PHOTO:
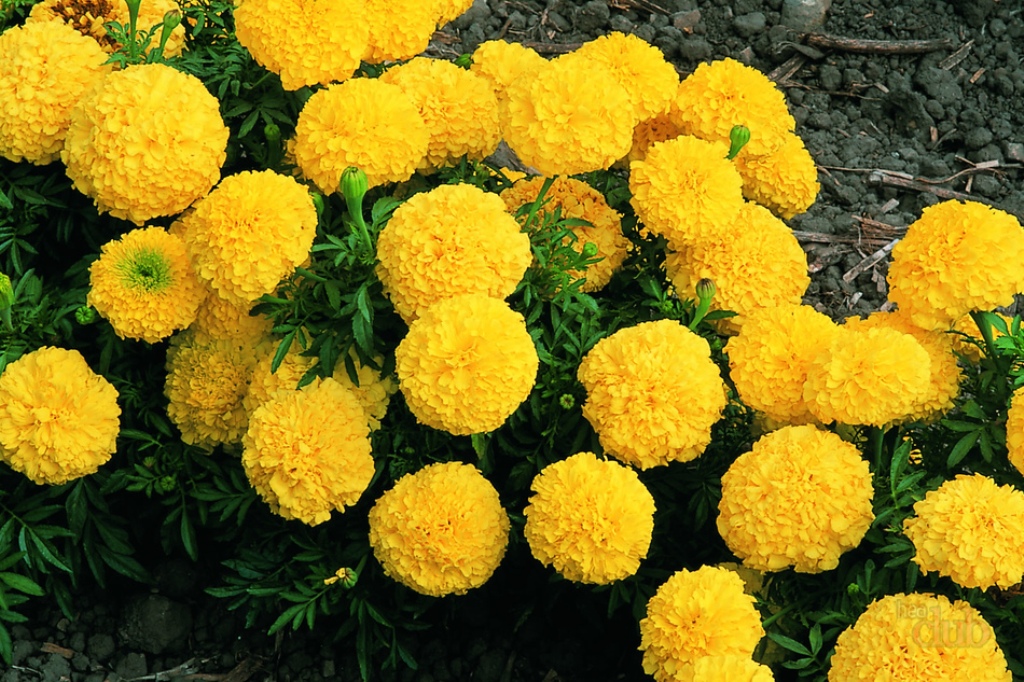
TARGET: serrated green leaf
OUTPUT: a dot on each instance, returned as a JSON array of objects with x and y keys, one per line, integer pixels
[
  {"x": 49, "y": 554},
  {"x": 18, "y": 582},
  {"x": 282, "y": 350},
  {"x": 125, "y": 565},
  {"x": 286, "y": 617}
]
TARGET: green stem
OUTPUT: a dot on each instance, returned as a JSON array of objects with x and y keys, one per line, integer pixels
[{"x": 876, "y": 439}]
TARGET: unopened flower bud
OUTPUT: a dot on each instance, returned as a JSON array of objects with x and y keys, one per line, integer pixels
[
  {"x": 171, "y": 20},
  {"x": 346, "y": 576},
  {"x": 272, "y": 132},
  {"x": 318, "y": 202},
  {"x": 354, "y": 185},
  {"x": 166, "y": 484},
  {"x": 6, "y": 292},
  {"x": 566, "y": 401},
  {"x": 85, "y": 314},
  {"x": 464, "y": 61},
  {"x": 589, "y": 250},
  {"x": 706, "y": 289},
  {"x": 149, "y": 462},
  {"x": 738, "y": 137}
]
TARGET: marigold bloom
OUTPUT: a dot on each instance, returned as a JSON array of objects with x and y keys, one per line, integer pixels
[
  {"x": 224, "y": 320},
  {"x": 973, "y": 351},
  {"x": 307, "y": 452},
  {"x": 785, "y": 181},
  {"x": 647, "y": 133},
  {"x": 374, "y": 390},
  {"x": 686, "y": 190},
  {"x": 970, "y": 530},
  {"x": 653, "y": 393},
  {"x": 305, "y": 42},
  {"x": 1015, "y": 430},
  {"x": 918, "y": 637},
  {"x": 58, "y": 419},
  {"x": 578, "y": 200},
  {"x": 944, "y": 267},
  {"x": 458, "y": 107},
  {"x": 696, "y": 614},
  {"x": 591, "y": 519},
  {"x": 441, "y": 530},
  {"x": 265, "y": 384},
  {"x": 504, "y": 64},
  {"x": 451, "y": 9},
  {"x": 800, "y": 498},
  {"x": 89, "y": 16},
  {"x": 572, "y": 117},
  {"x": 45, "y": 68},
  {"x": 399, "y": 29},
  {"x": 466, "y": 364},
  {"x": 146, "y": 143},
  {"x": 730, "y": 668},
  {"x": 452, "y": 240},
  {"x": 364, "y": 123}
]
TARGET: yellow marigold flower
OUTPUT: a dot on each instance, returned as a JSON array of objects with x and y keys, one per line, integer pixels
[
  {"x": 374, "y": 390},
  {"x": 727, "y": 93},
  {"x": 653, "y": 393},
  {"x": 452, "y": 9},
  {"x": 399, "y": 29},
  {"x": 578, "y": 200},
  {"x": 867, "y": 376},
  {"x": 452, "y": 240},
  {"x": 504, "y": 64},
  {"x": 770, "y": 357},
  {"x": 1015, "y": 430},
  {"x": 572, "y": 117},
  {"x": 800, "y": 498},
  {"x": 466, "y": 364},
  {"x": 966, "y": 325},
  {"x": 918, "y": 637},
  {"x": 58, "y": 420},
  {"x": 685, "y": 189},
  {"x": 89, "y": 16},
  {"x": 441, "y": 530},
  {"x": 754, "y": 261},
  {"x": 224, "y": 320},
  {"x": 458, "y": 107},
  {"x": 943, "y": 267},
  {"x": 589, "y": 518},
  {"x": 647, "y": 133},
  {"x": 45, "y": 68},
  {"x": 696, "y": 614},
  {"x": 146, "y": 143},
  {"x": 785, "y": 181},
  {"x": 305, "y": 42},
  {"x": 249, "y": 233},
  {"x": 364, "y": 123},
  {"x": 970, "y": 530},
  {"x": 264, "y": 384},
  {"x": 307, "y": 452},
  {"x": 729, "y": 668}
]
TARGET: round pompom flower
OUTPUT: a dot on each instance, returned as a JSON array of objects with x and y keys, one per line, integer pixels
[
  {"x": 696, "y": 614},
  {"x": 305, "y": 42},
  {"x": 452, "y": 240},
  {"x": 451, "y": 9},
  {"x": 503, "y": 64},
  {"x": 45, "y": 68},
  {"x": 1015, "y": 430},
  {"x": 249, "y": 233},
  {"x": 146, "y": 143},
  {"x": 685, "y": 189},
  {"x": 785, "y": 181},
  {"x": 918, "y": 637},
  {"x": 441, "y": 530},
  {"x": 800, "y": 498},
  {"x": 578, "y": 200},
  {"x": 466, "y": 364},
  {"x": 399, "y": 29},
  {"x": 364, "y": 123},
  {"x": 265, "y": 384},
  {"x": 373, "y": 390},
  {"x": 653, "y": 393},
  {"x": 647, "y": 133},
  {"x": 971, "y": 530},
  {"x": 224, "y": 320},
  {"x": 730, "y": 668},
  {"x": 58, "y": 419},
  {"x": 89, "y": 16},
  {"x": 589, "y": 518},
  {"x": 572, "y": 117},
  {"x": 307, "y": 452},
  {"x": 943, "y": 267},
  {"x": 727, "y": 93}
]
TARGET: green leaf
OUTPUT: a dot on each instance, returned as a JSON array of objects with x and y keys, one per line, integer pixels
[
  {"x": 188, "y": 536},
  {"x": 282, "y": 350},
  {"x": 899, "y": 463},
  {"x": 363, "y": 334},
  {"x": 77, "y": 507},
  {"x": 125, "y": 565},
  {"x": 5, "y": 202},
  {"x": 5, "y": 646},
  {"x": 962, "y": 447},
  {"x": 790, "y": 644},
  {"x": 286, "y": 617},
  {"x": 20, "y": 583},
  {"x": 961, "y": 426},
  {"x": 46, "y": 550}
]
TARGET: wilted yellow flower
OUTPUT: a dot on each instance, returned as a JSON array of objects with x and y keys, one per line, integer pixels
[
  {"x": 146, "y": 143},
  {"x": 1015, "y": 430},
  {"x": 696, "y": 614},
  {"x": 452, "y": 240},
  {"x": 399, "y": 29},
  {"x": 944, "y": 267},
  {"x": 918, "y": 637},
  {"x": 144, "y": 285},
  {"x": 589, "y": 518},
  {"x": 653, "y": 393},
  {"x": 45, "y": 68},
  {"x": 647, "y": 133},
  {"x": 785, "y": 181},
  {"x": 307, "y": 452},
  {"x": 578, "y": 200},
  {"x": 374, "y": 390},
  {"x": 504, "y": 64},
  {"x": 89, "y": 16},
  {"x": 466, "y": 364},
  {"x": 364, "y": 123},
  {"x": 441, "y": 530},
  {"x": 58, "y": 420}
]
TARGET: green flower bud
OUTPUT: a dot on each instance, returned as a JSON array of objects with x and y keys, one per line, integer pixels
[
  {"x": 85, "y": 314},
  {"x": 589, "y": 250},
  {"x": 166, "y": 484},
  {"x": 706, "y": 289},
  {"x": 318, "y": 202},
  {"x": 567, "y": 401},
  {"x": 272, "y": 132},
  {"x": 348, "y": 577},
  {"x": 172, "y": 20},
  {"x": 464, "y": 61},
  {"x": 6, "y": 292},
  {"x": 852, "y": 589},
  {"x": 354, "y": 185},
  {"x": 738, "y": 137}
]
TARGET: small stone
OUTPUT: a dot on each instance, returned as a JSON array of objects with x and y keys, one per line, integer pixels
[
  {"x": 986, "y": 185},
  {"x": 685, "y": 21},
  {"x": 1014, "y": 151},
  {"x": 749, "y": 24},
  {"x": 976, "y": 138},
  {"x": 593, "y": 16},
  {"x": 21, "y": 650},
  {"x": 621, "y": 24},
  {"x": 100, "y": 647},
  {"x": 155, "y": 624},
  {"x": 695, "y": 49},
  {"x": 805, "y": 15},
  {"x": 55, "y": 668},
  {"x": 132, "y": 665}
]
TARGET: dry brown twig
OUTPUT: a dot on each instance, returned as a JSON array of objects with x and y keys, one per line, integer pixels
[{"x": 860, "y": 46}]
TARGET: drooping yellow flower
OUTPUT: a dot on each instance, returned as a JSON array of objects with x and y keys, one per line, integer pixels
[
  {"x": 466, "y": 364},
  {"x": 58, "y": 420},
  {"x": 653, "y": 393},
  {"x": 918, "y": 637},
  {"x": 1015, "y": 430},
  {"x": 785, "y": 181},
  {"x": 695, "y": 614},
  {"x": 504, "y": 64},
  {"x": 45, "y": 68},
  {"x": 89, "y": 16},
  {"x": 307, "y": 452},
  {"x": 578, "y": 200},
  {"x": 144, "y": 285},
  {"x": 441, "y": 530},
  {"x": 146, "y": 143},
  {"x": 364, "y": 123},
  {"x": 452, "y": 240},
  {"x": 590, "y": 519},
  {"x": 944, "y": 268},
  {"x": 373, "y": 391},
  {"x": 971, "y": 530},
  {"x": 399, "y": 29},
  {"x": 800, "y": 498},
  {"x": 647, "y": 133}
]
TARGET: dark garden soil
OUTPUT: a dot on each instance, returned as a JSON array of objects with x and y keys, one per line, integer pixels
[{"x": 914, "y": 102}]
